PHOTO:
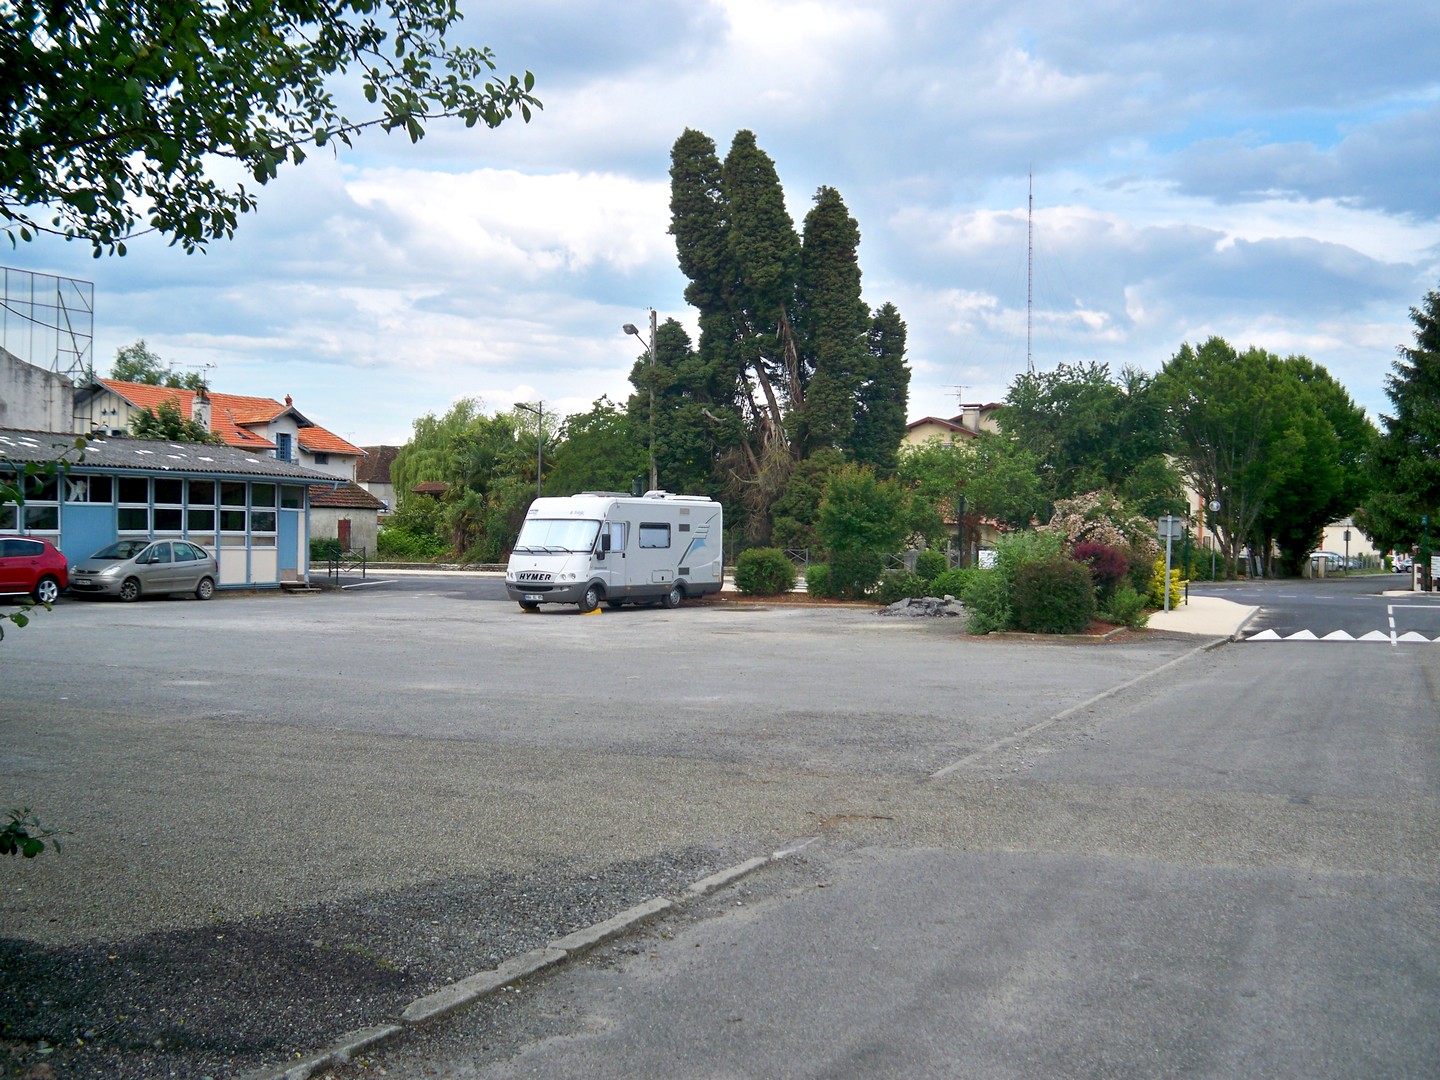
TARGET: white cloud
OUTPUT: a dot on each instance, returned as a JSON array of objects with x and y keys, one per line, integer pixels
[{"x": 1250, "y": 171}]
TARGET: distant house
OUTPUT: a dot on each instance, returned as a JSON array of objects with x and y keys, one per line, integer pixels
[
  {"x": 261, "y": 426},
  {"x": 967, "y": 425},
  {"x": 348, "y": 514},
  {"x": 373, "y": 473}
]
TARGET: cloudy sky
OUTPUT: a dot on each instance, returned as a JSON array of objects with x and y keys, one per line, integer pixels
[{"x": 1266, "y": 172}]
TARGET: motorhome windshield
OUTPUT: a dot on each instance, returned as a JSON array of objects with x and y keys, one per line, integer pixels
[{"x": 556, "y": 536}]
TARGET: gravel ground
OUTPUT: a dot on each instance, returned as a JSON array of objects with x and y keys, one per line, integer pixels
[{"x": 232, "y": 998}]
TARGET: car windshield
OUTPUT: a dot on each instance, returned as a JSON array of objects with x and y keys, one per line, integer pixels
[
  {"x": 556, "y": 536},
  {"x": 124, "y": 549}
]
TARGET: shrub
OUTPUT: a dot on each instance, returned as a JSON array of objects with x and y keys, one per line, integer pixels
[
  {"x": 930, "y": 564},
  {"x": 1017, "y": 549},
  {"x": 401, "y": 544},
  {"x": 1126, "y": 608},
  {"x": 322, "y": 548},
  {"x": 1053, "y": 596},
  {"x": 1142, "y": 567},
  {"x": 954, "y": 582},
  {"x": 1157, "y": 586},
  {"x": 988, "y": 595},
  {"x": 817, "y": 581},
  {"x": 853, "y": 573},
  {"x": 898, "y": 585},
  {"x": 764, "y": 572},
  {"x": 987, "y": 602},
  {"x": 1109, "y": 566}
]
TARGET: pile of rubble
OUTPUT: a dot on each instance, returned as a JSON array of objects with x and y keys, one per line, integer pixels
[{"x": 925, "y": 607}]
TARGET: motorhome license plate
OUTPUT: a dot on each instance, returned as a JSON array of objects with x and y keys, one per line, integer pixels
[{"x": 533, "y": 596}]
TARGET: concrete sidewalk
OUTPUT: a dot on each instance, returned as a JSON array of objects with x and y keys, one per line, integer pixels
[{"x": 1209, "y": 616}]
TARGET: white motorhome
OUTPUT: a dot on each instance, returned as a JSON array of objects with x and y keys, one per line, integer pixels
[{"x": 605, "y": 547}]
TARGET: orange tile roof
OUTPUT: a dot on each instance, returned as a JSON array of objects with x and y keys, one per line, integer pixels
[
  {"x": 231, "y": 416},
  {"x": 326, "y": 442}
]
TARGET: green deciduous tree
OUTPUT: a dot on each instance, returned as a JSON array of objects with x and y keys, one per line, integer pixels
[
  {"x": 1089, "y": 431},
  {"x": 599, "y": 450},
  {"x": 138, "y": 363},
  {"x": 165, "y": 422},
  {"x": 862, "y": 518},
  {"x": 1329, "y": 475},
  {"x": 487, "y": 465},
  {"x": 110, "y": 109},
  {"x": 1276, "y": 442},
  {"x": 1406, "y": 462}
]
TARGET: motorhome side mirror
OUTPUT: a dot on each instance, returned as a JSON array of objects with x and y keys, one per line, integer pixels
[{"x": 604, "y": 542}]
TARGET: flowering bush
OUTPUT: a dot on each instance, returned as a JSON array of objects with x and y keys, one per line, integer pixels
[
  {"x": 1109, "y": 566},
  {"x": 1100, "y": 518}
]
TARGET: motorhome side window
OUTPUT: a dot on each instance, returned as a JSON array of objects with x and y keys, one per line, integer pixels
[
  {"x": 617, "y": 536},
  {"x": 654, "y": 535}
]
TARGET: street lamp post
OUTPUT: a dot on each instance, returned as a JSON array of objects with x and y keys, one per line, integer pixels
[
  {"x": 539, "y": 410},
  {"x": 630, "y": 328}
]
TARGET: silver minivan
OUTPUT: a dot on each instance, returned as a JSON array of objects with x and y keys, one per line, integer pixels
[{"x": 129, "y": 569}]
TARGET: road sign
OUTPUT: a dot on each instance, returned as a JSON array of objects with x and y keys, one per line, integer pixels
[{"x": 1170, "y": 527}]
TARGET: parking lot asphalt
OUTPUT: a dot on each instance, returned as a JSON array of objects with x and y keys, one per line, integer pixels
[
  {"x": 294, "y": 764},
  {"x": 207, "y": 745}
]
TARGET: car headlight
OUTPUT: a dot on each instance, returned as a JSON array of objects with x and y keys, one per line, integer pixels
[{"x": 110, "y": 571}]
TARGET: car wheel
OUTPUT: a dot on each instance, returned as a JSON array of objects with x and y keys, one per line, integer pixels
[
  {"x": 47, "y": 590},
  {"x": 129, "y": 590},
  {"x": 614, "y": 605},
  {"x": 528, "y": 605},
  {"x": 205, "y": 589},
  {"x": 591, "y": 600},
  {"x": 675, "y": 597}
]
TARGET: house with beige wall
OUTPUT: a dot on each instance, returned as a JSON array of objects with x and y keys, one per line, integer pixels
[
  {"x": 258, "y": 425},
  {"x": 966, "y": 425}
]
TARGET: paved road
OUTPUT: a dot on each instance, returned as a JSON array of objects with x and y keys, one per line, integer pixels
[{"x": 1368, "y": 607}]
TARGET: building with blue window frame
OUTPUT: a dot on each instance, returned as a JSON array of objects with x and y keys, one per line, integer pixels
[{"x": 253, "y": 512}]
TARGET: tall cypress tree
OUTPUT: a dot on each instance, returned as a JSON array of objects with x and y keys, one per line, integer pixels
[
  {"x": 1407, "y": 460},
  {"x": 884, "y": 395},
  {"x": 831, "y": 322},
  {"x": 778, "y": 326}
]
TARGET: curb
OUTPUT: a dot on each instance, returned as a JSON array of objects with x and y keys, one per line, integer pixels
[{"x": 466, "y": 991}]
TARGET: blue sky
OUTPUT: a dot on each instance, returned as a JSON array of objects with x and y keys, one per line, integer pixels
[{"x": 1267, "y": 173}]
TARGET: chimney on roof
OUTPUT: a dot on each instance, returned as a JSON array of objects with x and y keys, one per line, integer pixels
[
  {"x": 200, "y": 408},
  {"x": 288, "y": 401}
]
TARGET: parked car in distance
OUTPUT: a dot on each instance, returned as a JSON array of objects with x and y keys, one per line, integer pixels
[
  {"x": 31, "y": 565},
  {"x": 1332, "y": 560},
  {"x": 1400, "y": 564},
  {"x": 130, "y": 569}
]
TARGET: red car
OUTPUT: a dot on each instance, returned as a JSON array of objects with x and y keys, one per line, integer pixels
[{"x": 31, "y": 565}]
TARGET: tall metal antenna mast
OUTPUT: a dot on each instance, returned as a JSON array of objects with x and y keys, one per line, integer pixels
[{"x": 1030, "y": 273}]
